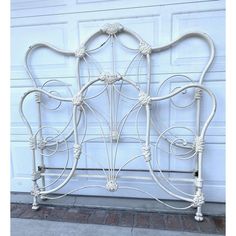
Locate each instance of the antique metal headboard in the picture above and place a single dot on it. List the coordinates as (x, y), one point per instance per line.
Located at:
(123, 98)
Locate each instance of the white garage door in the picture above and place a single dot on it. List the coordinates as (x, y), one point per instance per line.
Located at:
(67, 23)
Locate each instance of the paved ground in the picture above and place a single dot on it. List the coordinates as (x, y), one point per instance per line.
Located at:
(131, 204)
(28, 227)
(90, 221)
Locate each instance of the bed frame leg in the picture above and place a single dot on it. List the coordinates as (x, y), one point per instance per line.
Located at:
(35, 205)
(198, 201)
(199, 197)
(42, 170)
(35, 194)
(198, 215)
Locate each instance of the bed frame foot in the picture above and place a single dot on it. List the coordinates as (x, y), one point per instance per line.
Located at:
(198, 216)
(35, 205)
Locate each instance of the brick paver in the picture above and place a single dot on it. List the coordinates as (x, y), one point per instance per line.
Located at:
(189, 223)
(154, 220)
(208, 225)
(157, 221)
(112, 218)
(77, 214)
(142, 220)
(126, 218)
(98, 217)
(220, 224)
(173, 222)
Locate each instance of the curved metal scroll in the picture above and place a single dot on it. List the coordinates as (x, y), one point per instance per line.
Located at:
(111, 125)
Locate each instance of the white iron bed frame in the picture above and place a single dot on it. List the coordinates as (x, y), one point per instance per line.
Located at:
(112, 82)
